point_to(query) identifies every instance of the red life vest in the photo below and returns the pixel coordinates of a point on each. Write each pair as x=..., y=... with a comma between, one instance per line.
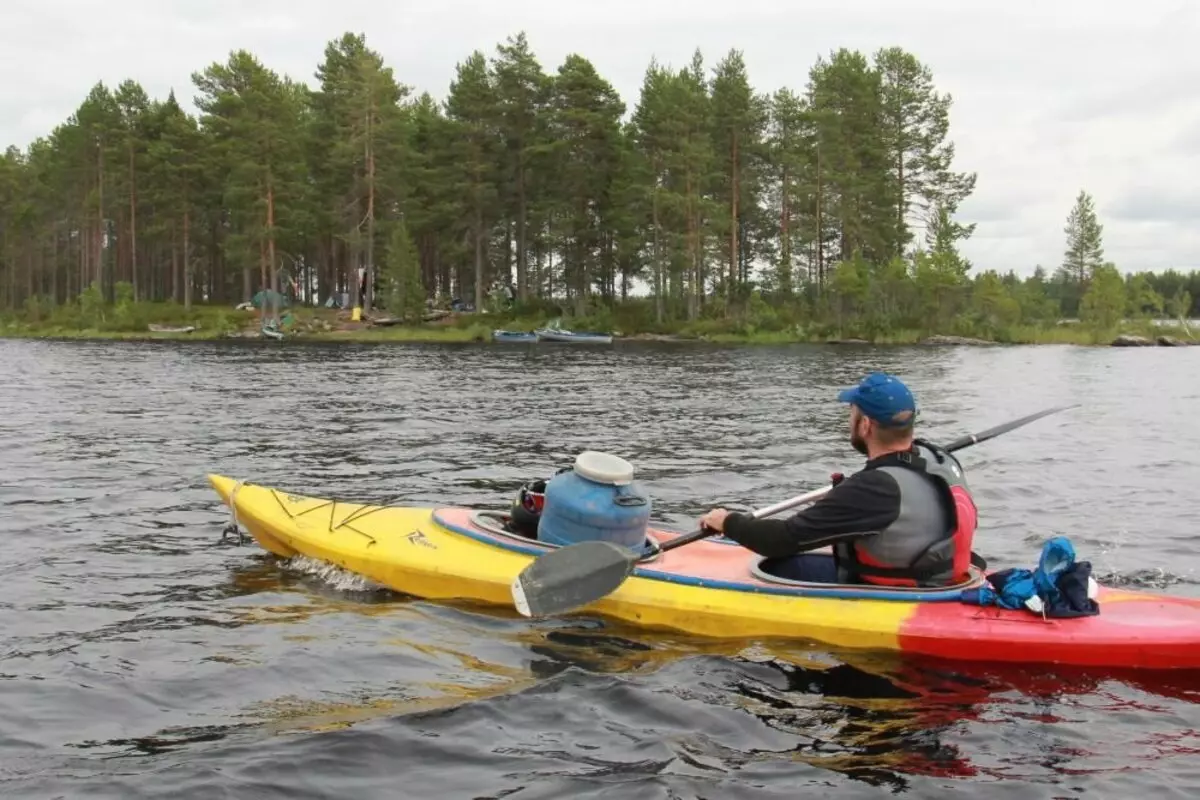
x=929, y=543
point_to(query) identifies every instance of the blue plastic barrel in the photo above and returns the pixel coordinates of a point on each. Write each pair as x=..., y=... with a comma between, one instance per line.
x=596, y=500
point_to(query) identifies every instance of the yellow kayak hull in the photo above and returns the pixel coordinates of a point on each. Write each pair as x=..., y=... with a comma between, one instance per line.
x=407, y=549
x=711, y=588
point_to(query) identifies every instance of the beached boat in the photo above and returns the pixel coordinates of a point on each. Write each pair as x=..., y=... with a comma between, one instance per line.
x=513, y=336
x=572, y=337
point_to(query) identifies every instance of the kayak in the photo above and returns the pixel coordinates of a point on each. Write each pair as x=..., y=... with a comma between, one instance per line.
x=523, y=337
x=572, y=337
x=712, y=587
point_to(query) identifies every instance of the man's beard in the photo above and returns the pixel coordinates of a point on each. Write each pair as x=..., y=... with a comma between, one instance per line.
x=858, y=442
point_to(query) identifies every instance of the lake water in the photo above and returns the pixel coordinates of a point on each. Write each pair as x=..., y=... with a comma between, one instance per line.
x=144, y=657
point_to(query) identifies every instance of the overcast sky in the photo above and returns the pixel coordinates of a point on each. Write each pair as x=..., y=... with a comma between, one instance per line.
x=1051, y=96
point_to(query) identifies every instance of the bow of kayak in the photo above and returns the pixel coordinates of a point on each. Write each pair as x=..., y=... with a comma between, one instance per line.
x=711, y=588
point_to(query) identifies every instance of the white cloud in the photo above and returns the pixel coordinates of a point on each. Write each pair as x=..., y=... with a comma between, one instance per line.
x=1051, y=96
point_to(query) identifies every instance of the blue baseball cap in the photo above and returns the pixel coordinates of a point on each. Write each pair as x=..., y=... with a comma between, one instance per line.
x=884, y=398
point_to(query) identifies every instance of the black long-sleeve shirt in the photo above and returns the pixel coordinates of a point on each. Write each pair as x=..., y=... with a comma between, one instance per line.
x=863, y=503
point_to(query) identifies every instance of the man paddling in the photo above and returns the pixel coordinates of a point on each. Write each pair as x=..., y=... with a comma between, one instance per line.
x=906, y=519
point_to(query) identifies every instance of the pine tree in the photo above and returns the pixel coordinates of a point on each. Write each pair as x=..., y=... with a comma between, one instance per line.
x=653, y=133
x=915, y=125
x=739, y=118
x=360, y=121
x=133, y=107
x=433, y=210
x=177, y=174
x=472, y=106
x=792, y=165
x=522, y=90
x=860, y=191
x=692, y=163
x=254, y=117
x=405, y=293
x=585, y=128
x=1085, y=250
x=97, y=123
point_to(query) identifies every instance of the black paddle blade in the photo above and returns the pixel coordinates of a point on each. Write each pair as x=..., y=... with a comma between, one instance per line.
x=570, y=577
x=990, y=433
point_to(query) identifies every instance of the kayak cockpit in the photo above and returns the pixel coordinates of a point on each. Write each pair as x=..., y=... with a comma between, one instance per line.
x=774, y=571
x=711, y=564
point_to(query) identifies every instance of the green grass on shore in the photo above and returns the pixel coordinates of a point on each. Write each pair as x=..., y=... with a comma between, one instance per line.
x=132, y=321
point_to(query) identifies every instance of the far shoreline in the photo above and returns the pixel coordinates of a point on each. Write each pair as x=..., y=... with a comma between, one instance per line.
x=442, y=334
x=168, y=321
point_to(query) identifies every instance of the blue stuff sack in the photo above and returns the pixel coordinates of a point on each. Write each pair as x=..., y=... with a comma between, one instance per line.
x=1060, y=586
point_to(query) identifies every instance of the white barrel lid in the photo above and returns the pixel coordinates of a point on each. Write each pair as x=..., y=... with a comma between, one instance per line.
x=604, y=468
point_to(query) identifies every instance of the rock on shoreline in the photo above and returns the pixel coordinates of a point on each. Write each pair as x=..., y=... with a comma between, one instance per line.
x=931, y=341
x=1129, y=340
x=958, y=341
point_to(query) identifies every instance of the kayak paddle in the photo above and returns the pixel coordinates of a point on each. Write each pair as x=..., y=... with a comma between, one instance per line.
x=573, y=576
x=991, y=433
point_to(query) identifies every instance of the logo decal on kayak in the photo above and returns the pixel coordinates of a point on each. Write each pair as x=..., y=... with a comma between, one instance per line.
x=416, y=537
x=294, y=500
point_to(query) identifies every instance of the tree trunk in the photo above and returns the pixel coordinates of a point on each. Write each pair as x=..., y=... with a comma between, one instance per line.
x=54, y=265
x=176, y=280
x=9, y=271
x=83, y=254
x=274, y=273
x=733, y=222
x=133, y=269
x=693, y=239
x=101, y=236
x=187, y=262
x=478, y=255
x=326, y=277
x=28, y=266
x=508, y=259
x=659, y=283
x=785, y=237
x=369, y=293
x=522, y=234
x=820, y=230
x=900, y=202
x=581, y=267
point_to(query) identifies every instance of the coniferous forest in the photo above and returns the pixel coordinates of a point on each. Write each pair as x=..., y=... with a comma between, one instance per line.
x=832, y=205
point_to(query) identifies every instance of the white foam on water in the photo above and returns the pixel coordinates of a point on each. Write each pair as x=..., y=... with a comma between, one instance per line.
x=334, y=576
x=1106, y=569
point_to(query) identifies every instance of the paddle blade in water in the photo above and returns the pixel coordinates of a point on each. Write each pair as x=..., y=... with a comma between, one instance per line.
x=571, y=577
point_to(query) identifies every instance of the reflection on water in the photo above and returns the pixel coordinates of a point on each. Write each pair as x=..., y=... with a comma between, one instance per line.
x=141, y=656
